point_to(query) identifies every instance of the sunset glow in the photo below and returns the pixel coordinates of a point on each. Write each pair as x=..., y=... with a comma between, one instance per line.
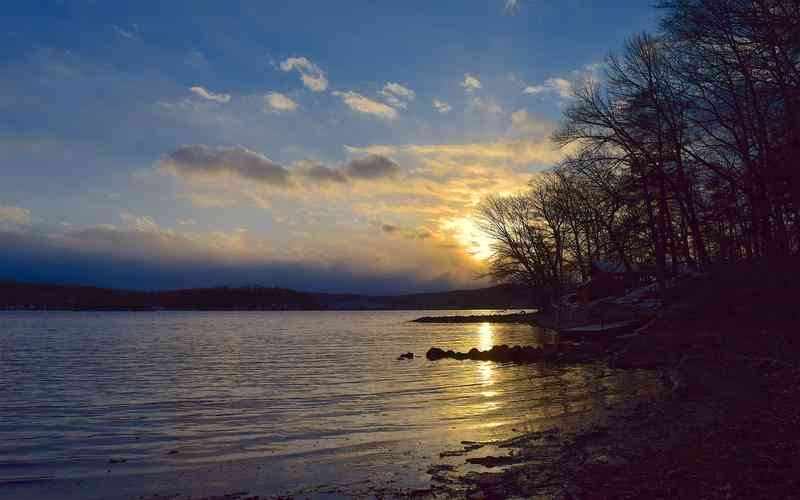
x=231, y=149
x=470, y=237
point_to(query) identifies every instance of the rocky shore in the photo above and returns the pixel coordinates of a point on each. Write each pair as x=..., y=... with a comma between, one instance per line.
x=726, y=426
x=689, y=443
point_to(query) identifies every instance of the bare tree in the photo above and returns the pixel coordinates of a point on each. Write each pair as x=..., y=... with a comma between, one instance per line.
x=523, y=248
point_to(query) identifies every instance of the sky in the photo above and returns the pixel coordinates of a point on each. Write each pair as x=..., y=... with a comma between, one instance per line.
x=315, y=145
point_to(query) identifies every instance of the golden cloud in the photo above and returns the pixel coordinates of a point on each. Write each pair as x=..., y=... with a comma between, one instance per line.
x=515, y=152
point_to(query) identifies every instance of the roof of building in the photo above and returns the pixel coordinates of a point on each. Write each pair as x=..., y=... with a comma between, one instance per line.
x=611, y=267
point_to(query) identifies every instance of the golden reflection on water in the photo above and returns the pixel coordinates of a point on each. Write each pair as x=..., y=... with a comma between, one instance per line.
x=486, y=374
x=534, y=397
x=486, y=332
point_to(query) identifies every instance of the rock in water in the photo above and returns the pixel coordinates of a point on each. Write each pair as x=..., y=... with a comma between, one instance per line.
x=435, y=353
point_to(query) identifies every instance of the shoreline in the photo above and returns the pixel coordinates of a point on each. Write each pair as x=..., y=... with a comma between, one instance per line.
x=726, y=426
x=712, y=437
x=736, y=436
x=521, y=318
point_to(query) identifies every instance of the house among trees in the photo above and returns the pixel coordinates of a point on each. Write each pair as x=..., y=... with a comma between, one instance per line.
x=605, y=279
x=608, y=279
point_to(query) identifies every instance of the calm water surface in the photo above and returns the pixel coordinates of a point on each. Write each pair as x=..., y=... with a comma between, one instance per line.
x=167, y=391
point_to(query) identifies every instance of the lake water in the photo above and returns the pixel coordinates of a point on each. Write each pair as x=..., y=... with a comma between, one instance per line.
x=266, y=400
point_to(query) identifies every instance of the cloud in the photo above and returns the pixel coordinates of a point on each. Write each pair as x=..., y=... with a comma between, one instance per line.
x=206, y=162
x=207, y=169
x=559, y=86
x=397, y=95
x=438, y=176
x=126, y=257
x=539, y=151
x=376, y=150
x=399, y=90
x=441, y=106
x=511, y=6
x=311, y=74
x=206, y=200
x=372, y=167
x=470, y=83
x=210, y=96
x=321, y=174
x=594, y=68
x=365, y=105
x=280, y=102
x=125, y=33
x=523, y=123
x=483, y=106
x=410, y=234
x=15, y=215
x=140, y=223
x=196, y=59
x=564, y=87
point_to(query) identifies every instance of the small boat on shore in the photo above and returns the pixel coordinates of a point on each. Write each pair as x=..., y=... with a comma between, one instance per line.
x=600, y=331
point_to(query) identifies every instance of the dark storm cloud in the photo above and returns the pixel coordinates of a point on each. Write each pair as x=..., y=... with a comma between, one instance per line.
x=372, y=167
x=238, y=161
x=135, y=259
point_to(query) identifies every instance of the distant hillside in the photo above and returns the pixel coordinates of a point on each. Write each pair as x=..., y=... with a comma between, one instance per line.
x=15, y=295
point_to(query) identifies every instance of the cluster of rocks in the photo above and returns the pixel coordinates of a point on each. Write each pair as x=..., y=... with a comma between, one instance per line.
x=564, y=352
x=502, y=353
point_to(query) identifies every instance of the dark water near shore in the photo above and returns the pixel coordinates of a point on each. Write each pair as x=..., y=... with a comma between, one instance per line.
x=168, y=391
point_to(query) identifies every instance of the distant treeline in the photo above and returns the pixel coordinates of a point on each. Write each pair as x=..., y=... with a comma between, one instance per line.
x=15, y=295
x=683, y=154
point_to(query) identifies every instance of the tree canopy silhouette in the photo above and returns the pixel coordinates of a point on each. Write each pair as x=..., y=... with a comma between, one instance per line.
x=684, y=155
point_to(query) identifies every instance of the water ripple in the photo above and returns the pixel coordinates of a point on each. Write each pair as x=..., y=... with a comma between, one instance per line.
x=156, y=391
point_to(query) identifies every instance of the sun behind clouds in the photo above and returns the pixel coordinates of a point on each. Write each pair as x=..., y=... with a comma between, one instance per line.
x=474, y=241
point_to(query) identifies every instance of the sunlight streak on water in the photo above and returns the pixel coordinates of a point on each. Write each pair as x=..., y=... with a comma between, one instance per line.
x=486, y=373
x=486, y=333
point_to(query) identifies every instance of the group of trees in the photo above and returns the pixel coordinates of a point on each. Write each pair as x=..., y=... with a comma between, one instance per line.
x=684, y=155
